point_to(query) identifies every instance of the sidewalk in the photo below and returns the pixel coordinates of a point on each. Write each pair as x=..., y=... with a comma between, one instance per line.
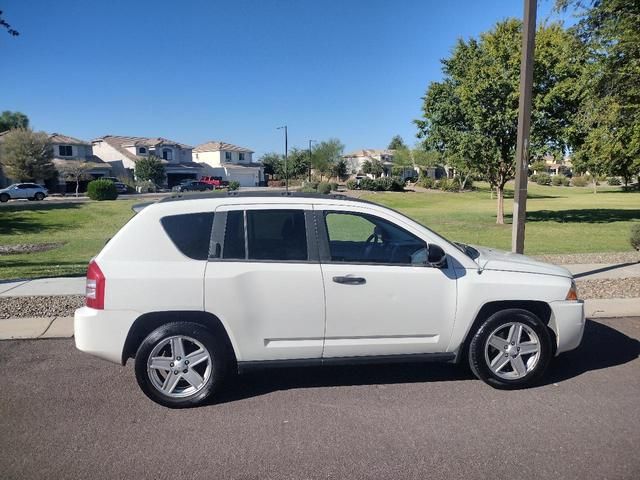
x=43, y=286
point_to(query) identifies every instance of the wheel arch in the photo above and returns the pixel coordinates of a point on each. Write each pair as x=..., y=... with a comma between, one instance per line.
x=148, y=322
x=539, y=308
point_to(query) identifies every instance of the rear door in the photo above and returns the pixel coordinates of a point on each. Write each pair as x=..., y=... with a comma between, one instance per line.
x=263, y=281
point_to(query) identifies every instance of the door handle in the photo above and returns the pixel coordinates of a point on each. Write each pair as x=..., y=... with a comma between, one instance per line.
x=349, y=280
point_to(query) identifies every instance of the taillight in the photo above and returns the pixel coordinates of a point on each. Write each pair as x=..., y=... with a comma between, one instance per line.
x=95, y=287
x=573, y=291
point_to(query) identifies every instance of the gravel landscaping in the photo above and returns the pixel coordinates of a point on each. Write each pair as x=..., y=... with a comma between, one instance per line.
x=576, y=258
x=27, y=248
x=40, y=306
x=609, y=288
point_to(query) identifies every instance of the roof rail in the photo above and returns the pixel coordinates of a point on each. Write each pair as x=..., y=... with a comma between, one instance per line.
x=279, y=194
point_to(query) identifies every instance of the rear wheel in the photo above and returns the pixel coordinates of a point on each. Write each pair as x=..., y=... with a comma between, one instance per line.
x=180, y=365
x=4, y=197
x=512, y=349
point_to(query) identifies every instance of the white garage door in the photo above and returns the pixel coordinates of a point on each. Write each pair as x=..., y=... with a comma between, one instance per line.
x=245, y=179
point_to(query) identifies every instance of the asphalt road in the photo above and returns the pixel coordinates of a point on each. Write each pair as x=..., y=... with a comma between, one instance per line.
x=66, y=415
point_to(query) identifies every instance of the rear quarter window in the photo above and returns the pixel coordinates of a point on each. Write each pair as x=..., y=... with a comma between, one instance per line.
x=190, y=233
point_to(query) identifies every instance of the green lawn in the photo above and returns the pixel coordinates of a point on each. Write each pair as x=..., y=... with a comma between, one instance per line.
x=560, y=220
x=83, y=228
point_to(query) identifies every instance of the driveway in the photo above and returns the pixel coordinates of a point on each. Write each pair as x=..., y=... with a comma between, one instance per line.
x=64, y=414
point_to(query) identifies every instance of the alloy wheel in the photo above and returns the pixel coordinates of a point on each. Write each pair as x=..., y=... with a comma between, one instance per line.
x=512, y=350
x=179, y=366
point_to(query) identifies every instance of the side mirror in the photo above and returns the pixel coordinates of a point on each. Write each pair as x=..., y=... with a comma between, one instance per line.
x=436, y=257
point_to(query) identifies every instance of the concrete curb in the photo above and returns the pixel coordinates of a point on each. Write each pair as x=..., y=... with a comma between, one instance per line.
x=612, y=307
x=34, y=328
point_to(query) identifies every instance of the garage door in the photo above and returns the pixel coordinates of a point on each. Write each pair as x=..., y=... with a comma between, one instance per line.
x=245, y=179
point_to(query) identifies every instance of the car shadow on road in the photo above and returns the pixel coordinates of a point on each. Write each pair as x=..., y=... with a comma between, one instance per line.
x=601, y=347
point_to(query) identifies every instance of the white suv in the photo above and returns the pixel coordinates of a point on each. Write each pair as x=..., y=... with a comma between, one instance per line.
x=195, y=286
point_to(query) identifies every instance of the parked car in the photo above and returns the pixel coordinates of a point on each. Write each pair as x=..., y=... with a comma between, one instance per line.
x=30, y=191
x=192, y=186
x=215, y=182
x=121, y=187
x=193, y=287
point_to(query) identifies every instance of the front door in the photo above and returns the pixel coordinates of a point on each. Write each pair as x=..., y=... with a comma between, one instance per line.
x=265, y=284
x=381, y=297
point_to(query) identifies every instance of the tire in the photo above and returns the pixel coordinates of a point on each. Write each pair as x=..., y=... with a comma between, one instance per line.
x=163, y=385
x=4, y=197
x=511, y=331
x=39, y=196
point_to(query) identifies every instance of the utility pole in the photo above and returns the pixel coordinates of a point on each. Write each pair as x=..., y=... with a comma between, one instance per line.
x=286, y=153
x=524, y=121
x=310, y=159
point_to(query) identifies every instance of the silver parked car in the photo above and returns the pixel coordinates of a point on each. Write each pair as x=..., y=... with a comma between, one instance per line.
x=30, y=191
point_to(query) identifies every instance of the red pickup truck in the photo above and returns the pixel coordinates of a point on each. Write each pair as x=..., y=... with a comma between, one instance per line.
x=215, y=182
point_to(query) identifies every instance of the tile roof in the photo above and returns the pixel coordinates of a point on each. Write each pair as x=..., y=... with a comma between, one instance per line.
x=370, y=152
x=216, y=146
x=57, y=138
x=120, y=142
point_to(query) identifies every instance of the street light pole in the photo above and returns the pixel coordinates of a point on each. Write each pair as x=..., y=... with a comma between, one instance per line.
x=286, y=153
x=524, y=122
x=310, y=159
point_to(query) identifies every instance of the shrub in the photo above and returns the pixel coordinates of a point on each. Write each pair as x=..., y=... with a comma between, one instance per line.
x=579, y=181
x=146, y=187
x=556, y=180
x=334, y=186
x=102, y=190
x=427, y=182
x=275, y=183
x=544, y=179
x=312, y=185
x=324, y=187
x=367, y=183
x=614, y=181
x=635, y=236
x=233, y=185
x=308, y=189
x=352, y=184
x=534, y=178
x=566, y=181
x=389, y=184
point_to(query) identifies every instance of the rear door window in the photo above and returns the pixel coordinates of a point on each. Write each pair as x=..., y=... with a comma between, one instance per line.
x=276, y=235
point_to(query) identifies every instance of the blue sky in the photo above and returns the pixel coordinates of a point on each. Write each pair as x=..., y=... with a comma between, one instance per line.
x=197, y=70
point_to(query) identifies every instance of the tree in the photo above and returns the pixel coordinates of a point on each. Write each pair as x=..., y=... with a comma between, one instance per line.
x=271, y=163
x=607, y=129
x=27, y=155
x=75, y=171
x=471, y=116
x=373, y=167
x=397, y=143
x=297, y=163
x=325, y=155
x=3, y=23
x=150, y=169
x=10, y=120
x=339, y=169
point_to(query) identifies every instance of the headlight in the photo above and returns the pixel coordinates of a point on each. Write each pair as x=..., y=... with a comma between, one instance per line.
x=573, y=291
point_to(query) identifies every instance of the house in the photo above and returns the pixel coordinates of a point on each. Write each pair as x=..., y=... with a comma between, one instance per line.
x=231, y=162
x=67, y=150
x=122, y=153
x=356, y=159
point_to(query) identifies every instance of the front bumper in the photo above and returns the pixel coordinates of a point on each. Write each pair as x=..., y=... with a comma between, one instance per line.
x=567, y=322
x=103, y=332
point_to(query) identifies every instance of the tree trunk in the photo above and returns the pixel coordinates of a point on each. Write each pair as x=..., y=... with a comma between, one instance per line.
x=77, y=186
x=595, y=185
x=500, y=194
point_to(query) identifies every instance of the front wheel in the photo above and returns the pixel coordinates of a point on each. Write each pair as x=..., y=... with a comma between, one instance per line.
x=512, y=349
x=180, y=365
x=39, y=196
